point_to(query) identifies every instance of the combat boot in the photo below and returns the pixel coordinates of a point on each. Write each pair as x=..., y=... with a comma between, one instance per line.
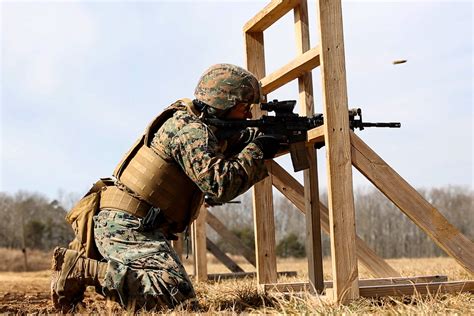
x=71, y=274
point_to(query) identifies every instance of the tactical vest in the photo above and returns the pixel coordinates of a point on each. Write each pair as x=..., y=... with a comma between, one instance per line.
x=156, y=178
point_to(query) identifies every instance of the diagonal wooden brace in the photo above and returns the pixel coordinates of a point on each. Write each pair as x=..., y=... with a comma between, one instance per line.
x=403, y=195
x=294, y=191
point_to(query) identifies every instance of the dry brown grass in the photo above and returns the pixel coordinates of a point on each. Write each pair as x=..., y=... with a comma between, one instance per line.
x=13, y=260
x=241, y=295
x=29, y=292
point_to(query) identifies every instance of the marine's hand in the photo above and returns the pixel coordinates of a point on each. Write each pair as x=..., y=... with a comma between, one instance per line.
x=269, y=144
x=248, y=135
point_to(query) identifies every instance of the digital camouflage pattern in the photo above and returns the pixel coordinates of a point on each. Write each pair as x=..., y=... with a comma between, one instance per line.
x=204, y=157
x=223, y=86
x=143, y=268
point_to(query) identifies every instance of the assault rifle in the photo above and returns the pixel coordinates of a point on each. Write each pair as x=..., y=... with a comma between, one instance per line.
x=290, y=127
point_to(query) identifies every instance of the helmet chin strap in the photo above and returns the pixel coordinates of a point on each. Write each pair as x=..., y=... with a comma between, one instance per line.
x=201, y=107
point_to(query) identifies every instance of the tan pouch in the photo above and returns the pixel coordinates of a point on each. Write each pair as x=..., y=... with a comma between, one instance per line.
x=81, y=219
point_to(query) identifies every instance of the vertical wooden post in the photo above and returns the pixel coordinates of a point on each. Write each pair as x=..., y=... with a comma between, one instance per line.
x=264, y=221
x=338, y=152
x=178, y=246
x=311, y=193
x=199, y=246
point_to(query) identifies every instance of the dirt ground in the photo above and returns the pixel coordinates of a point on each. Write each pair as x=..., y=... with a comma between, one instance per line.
x=24, y=292
x=28, y=293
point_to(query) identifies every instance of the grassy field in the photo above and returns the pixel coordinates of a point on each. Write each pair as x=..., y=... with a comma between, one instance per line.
x=28, y=292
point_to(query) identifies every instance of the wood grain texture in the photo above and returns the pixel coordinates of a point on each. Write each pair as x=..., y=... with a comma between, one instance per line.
x=231, y=238
x=294, y=191
x=338, y=152
x=403, y=195
x=316, y=135
x=398, y=281
x=269, y=15
x=419, y=288
x=264, y=221
x=298, y=67
x=314, y=251
x=178, y=246
x=382, y=282
x=199, y=242
x=242, y=275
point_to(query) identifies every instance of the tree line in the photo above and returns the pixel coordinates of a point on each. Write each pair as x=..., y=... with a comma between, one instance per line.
x=30, y=220
x=387, y=230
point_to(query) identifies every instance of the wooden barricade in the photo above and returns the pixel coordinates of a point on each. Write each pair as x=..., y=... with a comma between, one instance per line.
x=202, y=244
x=343, y=150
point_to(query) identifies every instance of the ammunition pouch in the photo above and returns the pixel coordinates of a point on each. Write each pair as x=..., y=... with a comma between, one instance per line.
x=81, y=219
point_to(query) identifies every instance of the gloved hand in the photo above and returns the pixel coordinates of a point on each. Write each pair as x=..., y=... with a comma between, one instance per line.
x=248, y=135
x=269, y=144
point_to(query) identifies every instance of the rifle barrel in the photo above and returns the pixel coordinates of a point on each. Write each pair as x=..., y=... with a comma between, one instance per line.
x=390, y=125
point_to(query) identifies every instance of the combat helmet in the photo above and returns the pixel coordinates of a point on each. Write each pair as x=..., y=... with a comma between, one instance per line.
x=223, y=86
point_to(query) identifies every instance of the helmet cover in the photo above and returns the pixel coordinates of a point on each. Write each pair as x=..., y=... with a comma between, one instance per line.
x=223, y=86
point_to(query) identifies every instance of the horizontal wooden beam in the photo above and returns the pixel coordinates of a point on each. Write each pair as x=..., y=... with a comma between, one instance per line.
x=231, y=238
x=222, y=257
x=294, y=191
x=419, y=288
x=241, y=275
x=269, y=15
x=287, y=287
x=370, y=284
x=316, y=135
x=420, y=211
x=398, y=281
x=294, y=69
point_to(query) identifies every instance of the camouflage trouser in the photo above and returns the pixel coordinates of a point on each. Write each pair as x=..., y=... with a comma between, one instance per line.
x=143, y=270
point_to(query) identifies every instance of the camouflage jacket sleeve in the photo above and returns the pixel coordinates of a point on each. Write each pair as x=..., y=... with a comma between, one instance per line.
x=195, y=148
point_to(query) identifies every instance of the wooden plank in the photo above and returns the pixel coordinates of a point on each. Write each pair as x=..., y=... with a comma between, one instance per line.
x=231, y=238
x=178, y=246
x=338, y=152
x=305, y=286
x=264, y=221
x=294, y=191
x=264, y=226
x=316, y=135
x=302, y=64
x=255, y=59
x=269, y=15
x=222, y=257
x=288, y=287
x=199, y=245
x=371, y=288
x=314, y=250
x=419, y=288
x=401, y=280
x=241, y=275
x=403, y=195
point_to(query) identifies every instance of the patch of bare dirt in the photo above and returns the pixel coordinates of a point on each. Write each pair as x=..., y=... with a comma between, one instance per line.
x=29, y=293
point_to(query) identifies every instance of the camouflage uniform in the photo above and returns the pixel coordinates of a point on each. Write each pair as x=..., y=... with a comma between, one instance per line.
x=143, y=269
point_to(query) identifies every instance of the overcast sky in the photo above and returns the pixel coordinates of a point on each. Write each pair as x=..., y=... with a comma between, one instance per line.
x=80, y=80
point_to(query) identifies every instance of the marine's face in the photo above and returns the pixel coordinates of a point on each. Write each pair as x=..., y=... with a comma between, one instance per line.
x=239, y=112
